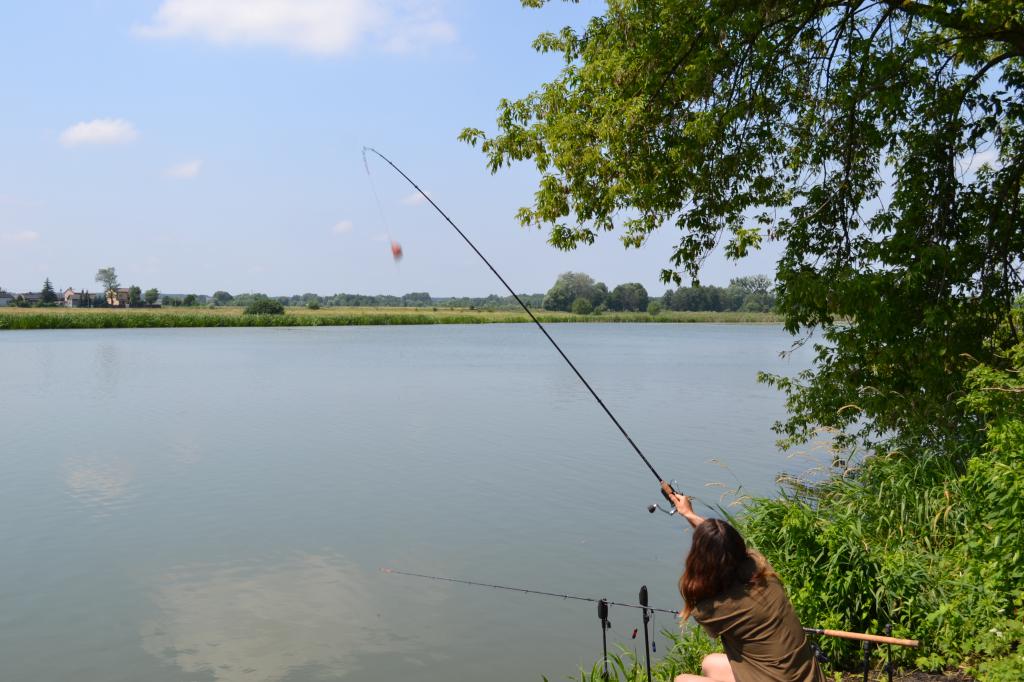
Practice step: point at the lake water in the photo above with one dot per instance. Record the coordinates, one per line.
(215, 504)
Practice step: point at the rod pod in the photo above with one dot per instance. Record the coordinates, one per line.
(647, 620)
(602, 613)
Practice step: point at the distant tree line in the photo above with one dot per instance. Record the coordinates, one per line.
(579, 293)
(745, 294)
(573, 291)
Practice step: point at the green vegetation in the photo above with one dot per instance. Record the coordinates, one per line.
(684, 656)
(264, 306)
(108, 278)
(880, 145)
(49, 295)
(111, 318)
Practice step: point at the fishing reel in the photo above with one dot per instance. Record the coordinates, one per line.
(671, 511)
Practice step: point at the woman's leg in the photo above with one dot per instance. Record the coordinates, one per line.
(716, 667)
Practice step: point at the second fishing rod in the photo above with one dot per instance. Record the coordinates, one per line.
(666, 488)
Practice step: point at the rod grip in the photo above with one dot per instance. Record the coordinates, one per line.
(863, 637)
(666, 490)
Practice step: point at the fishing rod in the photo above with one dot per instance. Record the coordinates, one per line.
(666, 488)
(523, 590)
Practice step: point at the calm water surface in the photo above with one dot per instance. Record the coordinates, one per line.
(215, 504)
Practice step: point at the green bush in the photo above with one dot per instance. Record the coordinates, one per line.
(582, 306)
(932, 542)
(264, 306)
(653, 308)
(684, 656)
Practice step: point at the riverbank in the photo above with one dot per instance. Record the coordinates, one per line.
(110, 318)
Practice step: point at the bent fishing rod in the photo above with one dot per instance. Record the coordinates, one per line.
(666, 488)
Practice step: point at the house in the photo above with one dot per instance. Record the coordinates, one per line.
(6, 299)
(119, 298)
(32, 298)
(74, 299)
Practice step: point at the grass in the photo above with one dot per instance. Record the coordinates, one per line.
(108, 318)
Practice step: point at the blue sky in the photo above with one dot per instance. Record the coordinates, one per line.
(198, 145)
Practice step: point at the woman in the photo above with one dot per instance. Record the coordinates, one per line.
(736, 596)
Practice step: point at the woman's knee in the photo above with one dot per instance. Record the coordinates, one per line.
(716, 666)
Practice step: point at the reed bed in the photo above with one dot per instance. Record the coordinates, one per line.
(106, 318)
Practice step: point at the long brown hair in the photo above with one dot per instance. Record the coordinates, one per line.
(715, 563)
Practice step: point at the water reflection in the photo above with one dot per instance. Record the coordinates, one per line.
(99, 484)
(304, 619)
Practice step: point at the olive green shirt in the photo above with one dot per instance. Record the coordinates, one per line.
(760, 631)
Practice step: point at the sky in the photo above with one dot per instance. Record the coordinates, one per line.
(202, 145)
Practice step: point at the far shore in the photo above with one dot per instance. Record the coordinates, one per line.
(229, 316)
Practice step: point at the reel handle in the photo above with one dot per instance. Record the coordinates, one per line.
(667, 489)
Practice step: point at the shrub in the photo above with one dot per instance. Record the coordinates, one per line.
(582, 306)
(313, 305)
(653, 308)
(264, 306)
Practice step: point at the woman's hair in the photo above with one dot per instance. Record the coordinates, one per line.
(715, 563)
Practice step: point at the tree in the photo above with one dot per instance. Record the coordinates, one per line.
(629, 296)
(134, 295)
(222, 298)
(189, 300)
(582, 306)
(49, 295)
(755, 284)
(572, 285)
(151, 296)
(881, 144)
(262, 305)
(108, 278)
(417, 298)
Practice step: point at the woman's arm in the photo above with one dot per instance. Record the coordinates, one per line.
(682, 505)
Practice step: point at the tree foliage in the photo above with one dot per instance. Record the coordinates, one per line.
(879, 142)
(108, 278)
(48, 293)
(151, 296)
(629, 296)
(262, 305)
(572, 285)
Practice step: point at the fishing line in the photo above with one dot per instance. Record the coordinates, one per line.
(524, 307)
(376, 198)
(523, 590)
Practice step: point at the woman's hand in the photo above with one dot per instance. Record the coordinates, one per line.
(682, 505)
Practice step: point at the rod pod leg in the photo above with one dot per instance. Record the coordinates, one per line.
(888, 654)
(647, 640)
(602, 613)
(866, 647)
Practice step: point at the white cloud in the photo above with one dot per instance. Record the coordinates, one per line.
(185, 170)
(319, 27)
(342, 227)
(23, 237)
(415, 199)
(99, 131)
